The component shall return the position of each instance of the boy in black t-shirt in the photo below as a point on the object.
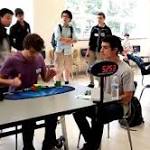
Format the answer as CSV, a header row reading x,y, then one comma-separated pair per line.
x,y
19,30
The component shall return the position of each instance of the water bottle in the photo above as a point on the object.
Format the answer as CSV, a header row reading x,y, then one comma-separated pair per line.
x,y
115,88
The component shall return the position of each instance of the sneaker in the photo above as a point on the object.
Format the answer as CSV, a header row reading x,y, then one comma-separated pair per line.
x,y
54,148
66,82
60,142
85,147
91,85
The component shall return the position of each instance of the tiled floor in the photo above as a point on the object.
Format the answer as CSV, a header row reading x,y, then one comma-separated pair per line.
x,y
118,137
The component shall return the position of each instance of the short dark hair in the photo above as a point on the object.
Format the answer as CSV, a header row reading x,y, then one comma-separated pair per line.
x,y
19,11
5,11
33,41
67,12
114,41
101,14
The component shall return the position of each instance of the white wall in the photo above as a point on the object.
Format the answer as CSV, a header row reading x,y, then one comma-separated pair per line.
x,y
46,16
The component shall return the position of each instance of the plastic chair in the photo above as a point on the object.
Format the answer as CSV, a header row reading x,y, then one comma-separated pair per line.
x,y
75,65
83,52
144,68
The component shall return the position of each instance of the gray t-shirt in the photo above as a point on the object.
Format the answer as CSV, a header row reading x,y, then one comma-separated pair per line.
x,y
126,81
125,76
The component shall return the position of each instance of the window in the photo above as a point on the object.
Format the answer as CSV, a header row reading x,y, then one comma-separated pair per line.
x,y
121,16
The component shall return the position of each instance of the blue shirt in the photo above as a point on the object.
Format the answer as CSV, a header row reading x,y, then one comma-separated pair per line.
x,y
66,32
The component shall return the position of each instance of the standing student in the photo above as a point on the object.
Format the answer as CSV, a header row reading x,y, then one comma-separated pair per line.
x,y
110,48
5,21
65,37
127,47
21,70
19,30
98,32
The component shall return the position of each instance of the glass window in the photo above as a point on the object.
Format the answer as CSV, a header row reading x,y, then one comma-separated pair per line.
x,y
121,16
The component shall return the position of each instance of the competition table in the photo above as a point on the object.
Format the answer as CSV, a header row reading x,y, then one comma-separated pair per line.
x,y
14,112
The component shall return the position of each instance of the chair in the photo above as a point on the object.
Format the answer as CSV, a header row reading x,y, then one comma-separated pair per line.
x,y
75,64
136,48
83,52
144,68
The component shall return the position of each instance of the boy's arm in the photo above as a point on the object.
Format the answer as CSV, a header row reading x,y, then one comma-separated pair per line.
x,y
128,87
69,40
126,97
66,40
5,74
11,82
49,73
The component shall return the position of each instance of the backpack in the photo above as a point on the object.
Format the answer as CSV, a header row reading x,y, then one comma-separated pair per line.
x,y
135,117
54,42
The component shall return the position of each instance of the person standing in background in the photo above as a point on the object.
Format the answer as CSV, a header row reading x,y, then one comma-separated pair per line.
x,y
5,21
65,37
19,30
98,32
127,47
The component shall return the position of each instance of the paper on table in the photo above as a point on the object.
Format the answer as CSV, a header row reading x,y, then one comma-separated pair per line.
x,y
86,97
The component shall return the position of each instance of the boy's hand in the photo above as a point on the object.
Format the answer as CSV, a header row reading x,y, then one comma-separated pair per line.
x,y
16,81
50,73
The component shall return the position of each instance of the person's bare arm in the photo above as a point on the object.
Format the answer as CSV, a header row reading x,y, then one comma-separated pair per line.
x,y
11,82
66,40
126,97
49,74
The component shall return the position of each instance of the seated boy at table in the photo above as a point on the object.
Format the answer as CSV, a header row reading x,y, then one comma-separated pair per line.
x,y
21,70
110,47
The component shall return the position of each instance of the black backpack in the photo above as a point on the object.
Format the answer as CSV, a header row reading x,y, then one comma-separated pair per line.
x,y
136,117
54,42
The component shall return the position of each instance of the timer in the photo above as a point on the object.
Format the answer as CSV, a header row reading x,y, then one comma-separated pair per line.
x,y
103,68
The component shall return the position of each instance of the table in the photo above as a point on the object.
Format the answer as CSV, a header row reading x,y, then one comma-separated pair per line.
x,y
13,113
146,57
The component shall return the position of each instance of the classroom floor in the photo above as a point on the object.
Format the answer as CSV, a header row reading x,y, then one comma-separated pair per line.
x,y
118,136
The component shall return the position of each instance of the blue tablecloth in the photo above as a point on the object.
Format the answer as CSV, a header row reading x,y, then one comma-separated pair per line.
x,y
47,91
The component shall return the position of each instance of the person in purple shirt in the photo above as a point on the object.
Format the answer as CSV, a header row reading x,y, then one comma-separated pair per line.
x,y
21,70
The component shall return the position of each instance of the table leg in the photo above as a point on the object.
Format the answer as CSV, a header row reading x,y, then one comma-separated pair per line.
x,y
16,138
64,131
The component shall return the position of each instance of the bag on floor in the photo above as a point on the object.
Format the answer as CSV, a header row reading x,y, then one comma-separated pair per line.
x,y
136,117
